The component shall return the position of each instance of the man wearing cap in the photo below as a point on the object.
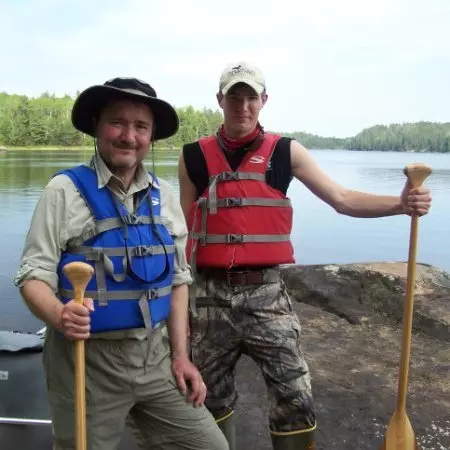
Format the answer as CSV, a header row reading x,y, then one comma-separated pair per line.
x,y
233,192
129,226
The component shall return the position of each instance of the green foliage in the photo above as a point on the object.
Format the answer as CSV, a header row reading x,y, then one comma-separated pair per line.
x,y
419,136
314,141
45,121
406,137
194,124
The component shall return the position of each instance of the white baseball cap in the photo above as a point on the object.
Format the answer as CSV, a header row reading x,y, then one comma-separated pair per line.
x,y
242,72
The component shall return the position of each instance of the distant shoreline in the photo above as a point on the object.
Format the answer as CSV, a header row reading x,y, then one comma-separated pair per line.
x,y
49,147
77,148
56,148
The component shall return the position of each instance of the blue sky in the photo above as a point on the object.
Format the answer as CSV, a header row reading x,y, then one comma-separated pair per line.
x,y
332,67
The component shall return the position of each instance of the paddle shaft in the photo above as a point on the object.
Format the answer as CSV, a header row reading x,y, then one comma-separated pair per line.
x,y
416,173
408,317
79,274
400,434
80,386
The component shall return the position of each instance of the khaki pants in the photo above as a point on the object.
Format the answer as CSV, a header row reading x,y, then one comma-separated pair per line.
x,y
125,377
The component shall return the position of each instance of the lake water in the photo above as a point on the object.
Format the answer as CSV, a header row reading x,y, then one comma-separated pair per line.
x,y
320,235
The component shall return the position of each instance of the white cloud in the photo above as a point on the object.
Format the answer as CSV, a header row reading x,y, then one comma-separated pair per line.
x,y
332,67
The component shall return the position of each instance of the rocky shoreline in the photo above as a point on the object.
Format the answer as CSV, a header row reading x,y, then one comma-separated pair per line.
x,y
351,319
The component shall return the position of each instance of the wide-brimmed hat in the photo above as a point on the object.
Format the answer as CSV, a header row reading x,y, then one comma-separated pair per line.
x,y
91,101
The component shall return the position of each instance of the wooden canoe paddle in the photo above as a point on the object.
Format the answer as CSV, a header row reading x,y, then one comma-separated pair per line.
x,y
79,275
399,434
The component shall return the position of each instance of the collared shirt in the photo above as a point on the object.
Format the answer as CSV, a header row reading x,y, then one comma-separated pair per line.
x,y
62,218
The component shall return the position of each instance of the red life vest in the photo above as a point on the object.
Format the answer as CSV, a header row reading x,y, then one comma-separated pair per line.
x,y
239,220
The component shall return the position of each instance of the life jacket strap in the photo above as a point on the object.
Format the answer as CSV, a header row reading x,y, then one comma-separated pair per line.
x,y
240,238
232,202
228,176
131,219
121,295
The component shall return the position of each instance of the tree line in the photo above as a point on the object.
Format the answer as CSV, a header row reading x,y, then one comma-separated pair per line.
x,y
45,121
406,137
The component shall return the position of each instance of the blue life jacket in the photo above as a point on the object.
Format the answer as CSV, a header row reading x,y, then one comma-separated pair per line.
x,y
132,254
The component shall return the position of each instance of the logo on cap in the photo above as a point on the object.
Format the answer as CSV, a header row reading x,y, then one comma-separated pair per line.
x,y
242,69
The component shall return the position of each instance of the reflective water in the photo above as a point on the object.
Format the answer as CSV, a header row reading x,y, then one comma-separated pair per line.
x,y
320,235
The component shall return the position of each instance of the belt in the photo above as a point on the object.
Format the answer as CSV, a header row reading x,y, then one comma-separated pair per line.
x,y
242,277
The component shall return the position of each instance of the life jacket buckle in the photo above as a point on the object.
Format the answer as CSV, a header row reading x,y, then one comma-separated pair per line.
x,y
96,254
230,176
143,250
231,202
234,238
132,219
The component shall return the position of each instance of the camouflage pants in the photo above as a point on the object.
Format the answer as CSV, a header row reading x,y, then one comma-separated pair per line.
x,y
257,320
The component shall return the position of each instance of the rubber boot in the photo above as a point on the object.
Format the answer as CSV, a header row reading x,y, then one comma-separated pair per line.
x,y
226,424
294,440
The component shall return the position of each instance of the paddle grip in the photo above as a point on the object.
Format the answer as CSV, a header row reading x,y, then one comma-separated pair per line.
x,y
417,173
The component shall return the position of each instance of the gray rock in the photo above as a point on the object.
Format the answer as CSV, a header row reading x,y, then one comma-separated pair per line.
x,y
371,292
351,320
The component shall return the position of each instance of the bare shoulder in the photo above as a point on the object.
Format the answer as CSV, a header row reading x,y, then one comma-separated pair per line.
x,y
306,170
184,179
296,146
182,170
299,154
